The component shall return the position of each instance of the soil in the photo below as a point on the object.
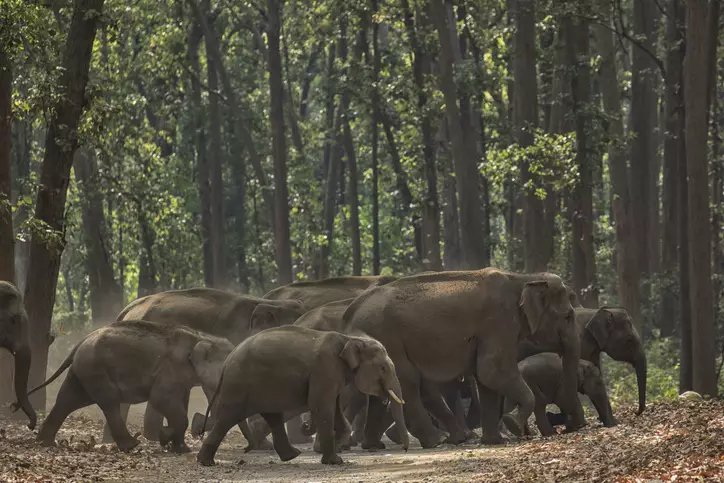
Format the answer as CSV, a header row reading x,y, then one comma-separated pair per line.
x,y
680,441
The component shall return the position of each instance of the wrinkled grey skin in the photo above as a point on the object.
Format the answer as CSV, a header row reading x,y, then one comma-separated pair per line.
x,y
14,338
133,362
542,372
216,312
610,330
315,294
438,327
290,369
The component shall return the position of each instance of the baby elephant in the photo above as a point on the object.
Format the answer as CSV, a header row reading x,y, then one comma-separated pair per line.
x,y
292,369
543,374
131,362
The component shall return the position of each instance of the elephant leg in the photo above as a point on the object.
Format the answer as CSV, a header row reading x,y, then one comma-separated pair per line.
x,y
358,426
342,430
436,405
172,406
518,392
107,434
541,420
282,445
421,425
294,429
71,397
258,431
307,426
489,415
374,424
152,423
117,425
227,417
323,411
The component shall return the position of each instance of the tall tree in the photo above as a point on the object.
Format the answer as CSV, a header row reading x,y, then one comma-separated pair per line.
x,y
643,123
375,121
202,166
674,113
464,147
215,166
60,144
696,96
525,122
627,267
584,266
281,194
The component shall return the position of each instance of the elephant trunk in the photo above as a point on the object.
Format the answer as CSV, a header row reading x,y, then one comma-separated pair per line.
x,y
22,371
571,358
641,375
394,390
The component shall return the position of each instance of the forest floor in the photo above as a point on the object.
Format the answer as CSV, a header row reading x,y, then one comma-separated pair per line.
x,y
680,441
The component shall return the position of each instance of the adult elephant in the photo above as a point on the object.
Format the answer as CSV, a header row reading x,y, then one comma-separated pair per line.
x,y
317,293
223,314
439,326
610,330
14,338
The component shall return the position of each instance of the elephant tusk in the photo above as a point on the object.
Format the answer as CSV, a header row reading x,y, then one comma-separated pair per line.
x,y
394,396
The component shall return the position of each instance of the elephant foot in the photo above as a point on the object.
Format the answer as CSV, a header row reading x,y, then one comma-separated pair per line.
x,y
180,448
556,419
127,446
355,439
289,454
432,441
394,434
46,442
493,439
512,424
204,459
334,459
263,445
317,447
197,424
456,438
373,445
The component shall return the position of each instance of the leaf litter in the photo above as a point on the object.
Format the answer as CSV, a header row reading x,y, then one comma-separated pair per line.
x,y
678,441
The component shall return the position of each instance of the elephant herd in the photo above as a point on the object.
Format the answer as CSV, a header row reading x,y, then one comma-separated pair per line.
x,y
347,358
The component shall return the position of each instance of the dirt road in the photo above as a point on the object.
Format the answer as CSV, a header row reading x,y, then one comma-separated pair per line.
x,y
682,441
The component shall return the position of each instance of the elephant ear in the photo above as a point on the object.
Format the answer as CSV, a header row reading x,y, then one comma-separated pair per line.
x,y
352,353
200,352
532,301
600,326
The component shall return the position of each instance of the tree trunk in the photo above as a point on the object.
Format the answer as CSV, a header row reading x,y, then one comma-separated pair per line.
x,y
376,66
202,166
430,236
7,237
105,292
281,194
674,119
60,145
525,115
451,224
686,375
215,161
464,147
238,171
627,267
643,124
703,334
584,266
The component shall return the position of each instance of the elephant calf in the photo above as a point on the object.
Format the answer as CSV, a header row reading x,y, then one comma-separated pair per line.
x,y
133,362
290,369
543,373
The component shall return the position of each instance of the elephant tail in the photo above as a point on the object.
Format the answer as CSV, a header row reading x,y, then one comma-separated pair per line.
x,y
211,403
65,365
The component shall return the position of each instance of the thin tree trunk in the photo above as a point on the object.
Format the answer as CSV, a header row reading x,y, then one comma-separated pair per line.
x,y
60,145
281,194
105,292
674,118
695,85
626,266
215,161
202,166
309,75
331,92
451,224
584,266
643,123
686,367
376,66
525,116
353,199
465,154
